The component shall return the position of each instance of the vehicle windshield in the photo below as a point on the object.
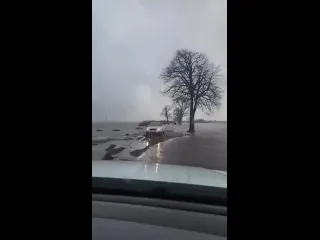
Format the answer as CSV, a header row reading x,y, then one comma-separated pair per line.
x,y
155,124
160,63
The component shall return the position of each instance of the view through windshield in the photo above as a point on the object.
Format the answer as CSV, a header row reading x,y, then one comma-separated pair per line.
x,y
159,91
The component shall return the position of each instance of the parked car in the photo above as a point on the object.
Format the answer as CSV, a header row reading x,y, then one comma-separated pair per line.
x,y
155,128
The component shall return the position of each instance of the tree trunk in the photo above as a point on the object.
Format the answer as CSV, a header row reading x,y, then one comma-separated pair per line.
x,y
191,121
191,126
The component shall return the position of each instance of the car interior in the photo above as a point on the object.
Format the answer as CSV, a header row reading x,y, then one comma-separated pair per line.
x,y
123,215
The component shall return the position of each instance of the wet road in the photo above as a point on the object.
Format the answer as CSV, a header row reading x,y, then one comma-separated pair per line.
x,y
206,148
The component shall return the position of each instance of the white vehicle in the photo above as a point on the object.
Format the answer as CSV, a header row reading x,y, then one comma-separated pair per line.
x,y
155,128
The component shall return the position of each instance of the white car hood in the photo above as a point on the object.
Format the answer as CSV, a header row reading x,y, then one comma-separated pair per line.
x,y
159,172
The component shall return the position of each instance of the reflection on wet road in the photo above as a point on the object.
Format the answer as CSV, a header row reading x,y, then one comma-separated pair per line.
x,y
155,143
152,141
206,148
159,150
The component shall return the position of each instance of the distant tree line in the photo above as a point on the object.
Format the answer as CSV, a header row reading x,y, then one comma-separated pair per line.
x,y
147,122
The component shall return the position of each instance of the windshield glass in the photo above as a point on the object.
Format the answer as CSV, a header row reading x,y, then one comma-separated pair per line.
x,y
159,63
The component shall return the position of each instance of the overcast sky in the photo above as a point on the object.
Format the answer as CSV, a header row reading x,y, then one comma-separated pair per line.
x,y
133,40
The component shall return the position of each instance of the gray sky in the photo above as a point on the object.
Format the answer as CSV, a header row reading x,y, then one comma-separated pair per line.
x,y
133,40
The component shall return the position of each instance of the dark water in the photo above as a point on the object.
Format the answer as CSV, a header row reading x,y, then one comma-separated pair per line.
x,y
206,148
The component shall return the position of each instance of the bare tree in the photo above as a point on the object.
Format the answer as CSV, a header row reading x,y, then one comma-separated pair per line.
x,y
190,76
166,112
181,106
176,115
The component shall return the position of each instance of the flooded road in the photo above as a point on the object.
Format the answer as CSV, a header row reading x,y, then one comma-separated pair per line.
x,y
206,148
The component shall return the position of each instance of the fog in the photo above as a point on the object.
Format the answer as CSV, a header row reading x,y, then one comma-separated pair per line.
x,y
132,41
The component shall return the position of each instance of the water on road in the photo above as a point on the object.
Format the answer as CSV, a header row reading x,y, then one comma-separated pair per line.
x,y
206,148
